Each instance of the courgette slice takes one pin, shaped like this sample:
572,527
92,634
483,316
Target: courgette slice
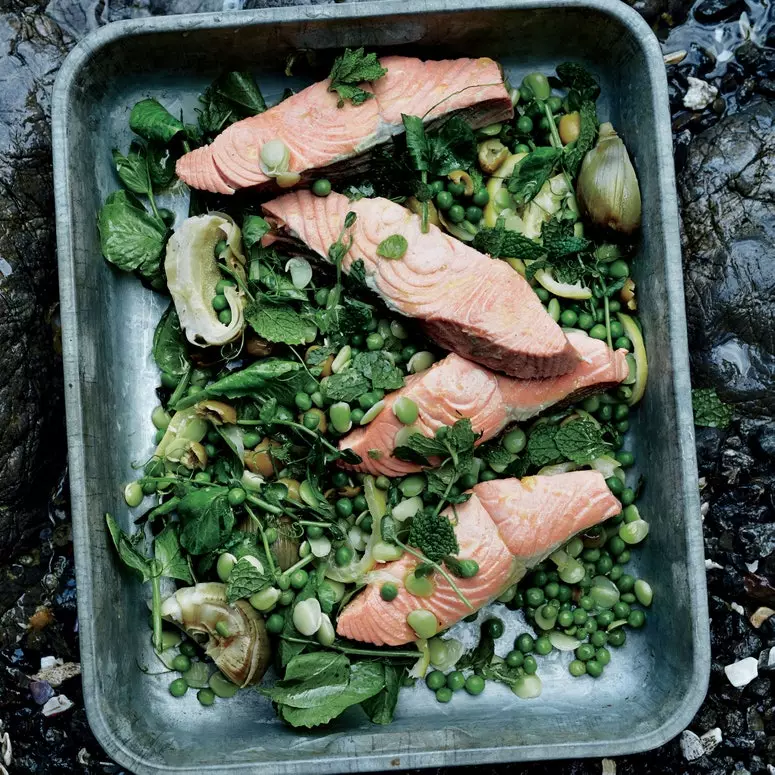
632,332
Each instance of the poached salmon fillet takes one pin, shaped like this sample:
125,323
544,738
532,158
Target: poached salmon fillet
471,304
507,526
319,134
455,388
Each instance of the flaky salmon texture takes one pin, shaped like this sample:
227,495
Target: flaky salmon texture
455,388
319,134
469,303
507,526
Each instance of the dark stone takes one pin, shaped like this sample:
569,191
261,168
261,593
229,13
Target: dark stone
708,443
712,11
766,439
728,198
757,540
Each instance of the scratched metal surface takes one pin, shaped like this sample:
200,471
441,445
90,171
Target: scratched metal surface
108,321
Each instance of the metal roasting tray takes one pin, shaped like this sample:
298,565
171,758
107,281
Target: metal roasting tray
653,685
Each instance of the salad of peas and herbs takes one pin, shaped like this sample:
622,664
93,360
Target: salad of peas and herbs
242,506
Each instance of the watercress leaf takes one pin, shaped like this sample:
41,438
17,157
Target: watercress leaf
276,322
268,411
452,147
169,347
129,237
379,369
319,665
709,410
329,677
366,680
253,228
574,153
574,76
241,88
381,707
416,142
233,438
393,247
252,379
133,169
541,446
161,165
245,580
166,549
216,112
347,385
581,441
207,519
153,122
532,172
127,552
349,70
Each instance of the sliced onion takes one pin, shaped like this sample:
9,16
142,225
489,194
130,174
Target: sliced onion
572,572
445,652
321,547
301,271
546,616
275,155
604,592
407,508
563,642
558,468
420,667
634,532
606,464
376,499
528,687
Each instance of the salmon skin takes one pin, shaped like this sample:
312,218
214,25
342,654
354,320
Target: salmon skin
455,388
321,135
474,305
507,526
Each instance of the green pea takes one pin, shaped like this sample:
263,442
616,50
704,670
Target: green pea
188,648
617,637
514,441
618,269
636,619
220,303
178,687
222,285
474,214
314,531
622,343
468,481
343,556
444,694
286,597
481,197
321,187
543,645
522,148
627,496
605,413
456,189
367,523
181,663
580,616
388,591
435,680
604,565
629,597
585,321
525,642
444,200
594,668
494,627
303,401
565,619
569,318
321,296
542,293
586,602
271,535
299,578
621,610
359,503
340,416
577,668
375,342
598,638
405,410
340,479
220,247
275,623
565,593
367,400
225,317
456,213
604,618
344,507
515,658
585,652
487,476
530,666
590,555
206,697
614,485
474,684
525,125
456,681
555,104
534,597
616,572
133,494
598,331
624,557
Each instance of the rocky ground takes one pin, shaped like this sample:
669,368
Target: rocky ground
722,86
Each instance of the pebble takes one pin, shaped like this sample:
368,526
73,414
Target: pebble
57,705
711,739
712,565
691,746
743,672
760,616
738,608
709,11
609,767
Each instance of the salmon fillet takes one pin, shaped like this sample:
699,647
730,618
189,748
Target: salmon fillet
507,526
319,134
475,306
455,388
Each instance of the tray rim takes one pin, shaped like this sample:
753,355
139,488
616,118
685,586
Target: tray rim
66,81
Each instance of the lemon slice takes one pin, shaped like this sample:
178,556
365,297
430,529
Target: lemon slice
632,332
495,184
563,290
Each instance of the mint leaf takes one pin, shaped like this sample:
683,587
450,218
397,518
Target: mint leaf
354,316
379,369
532,172
246,382
498,242
166,549
207,519
579,79
393,247
153,122
253,228
541,446
709,410
169,347
580,441
416,142
559,241
245,580
346,386
574,153
349,70
452,147
276,323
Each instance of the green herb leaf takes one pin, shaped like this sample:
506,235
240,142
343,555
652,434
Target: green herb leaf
581,441
481,656
241,89
579,79
498,242
153,122
207,519
354,316
379,369
253,228
245,580
166,549
381,707
169,347
574,153
433,534
559,241
253,379
133,169
311,680
129,237
532,172
349,70
416,142
127,552
452,147
494,454
287,650
709,410
346,386
393,247
541,446
161,165
276,323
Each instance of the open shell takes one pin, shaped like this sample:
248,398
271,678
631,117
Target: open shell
192,275
244,656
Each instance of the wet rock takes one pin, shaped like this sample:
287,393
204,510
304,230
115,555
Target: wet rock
712,11
766,439
758,540
727,189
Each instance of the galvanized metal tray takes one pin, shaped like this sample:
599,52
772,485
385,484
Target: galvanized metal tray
652,687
